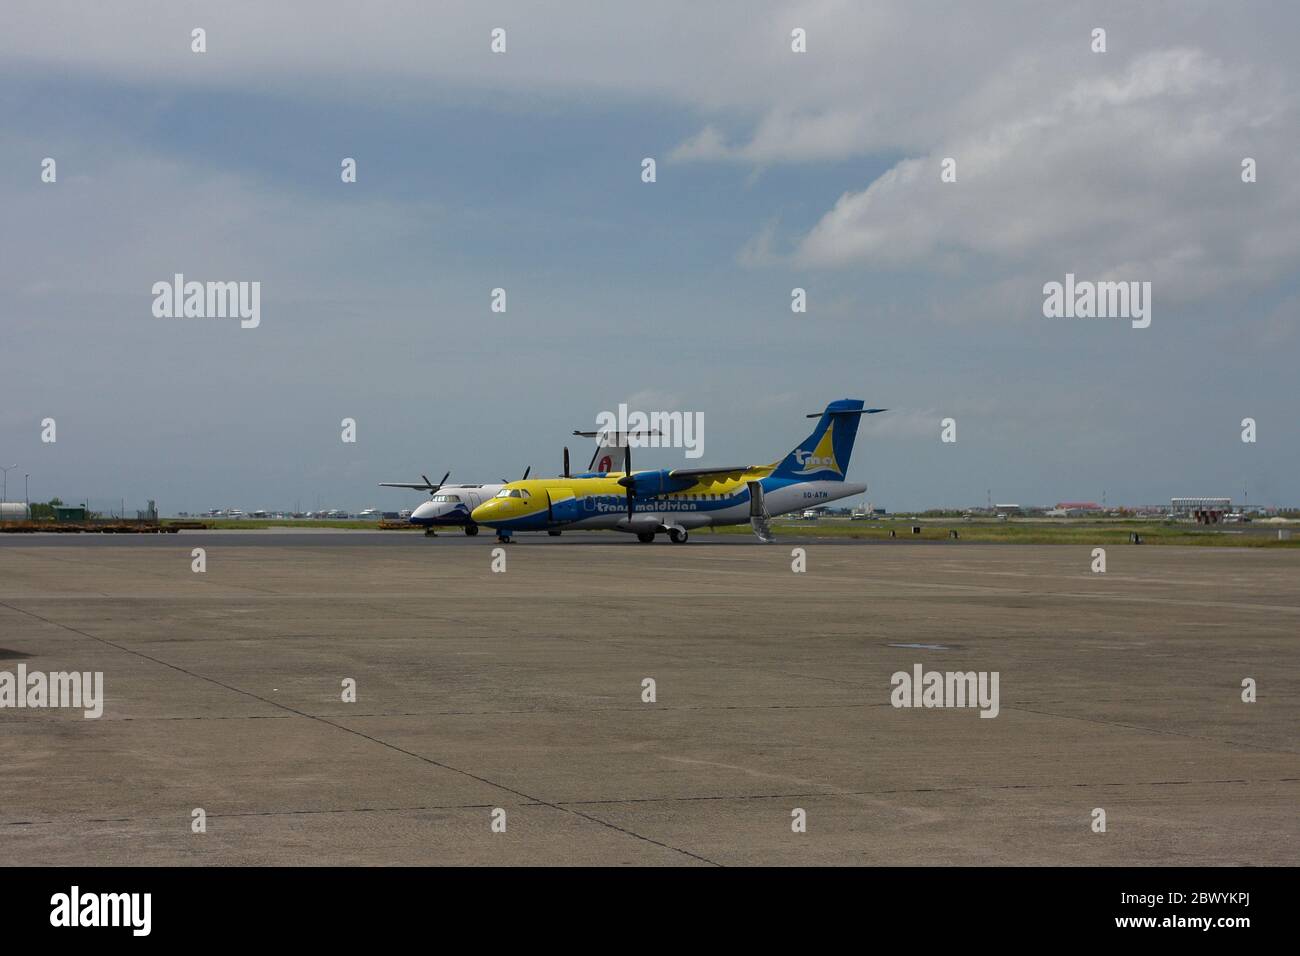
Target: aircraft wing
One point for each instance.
(428, 485)
(707, 472)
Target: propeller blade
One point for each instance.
(627, 475)
(526, 471)
(566, 461)
(433, 489)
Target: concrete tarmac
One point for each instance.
(523, 691)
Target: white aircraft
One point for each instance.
(450, 506)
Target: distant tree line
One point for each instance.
(45, 509)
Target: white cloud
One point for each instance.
(1130, 175)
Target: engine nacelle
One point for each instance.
(656, 482)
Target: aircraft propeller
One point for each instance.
(627, 478)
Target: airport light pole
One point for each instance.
(4, 488)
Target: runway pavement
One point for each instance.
(523, 691)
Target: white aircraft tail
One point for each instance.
(609, 448)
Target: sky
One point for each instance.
(522, 170)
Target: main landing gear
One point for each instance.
(471, 529)
(675, 535)
(553, 532)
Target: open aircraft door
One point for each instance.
(758, 517)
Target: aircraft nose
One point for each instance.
(424, 513)
(483, 513)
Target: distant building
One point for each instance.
(1204, 510)
(1074, 509)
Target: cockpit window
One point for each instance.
(446, 497)
(511, 493)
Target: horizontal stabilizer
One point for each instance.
(619, 437)
(847, 411)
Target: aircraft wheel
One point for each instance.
(645, 537)
(471, 529)
(677, 535)
(503, 538)
(553, 532)
(430, 533)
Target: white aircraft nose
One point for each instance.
(425, 512)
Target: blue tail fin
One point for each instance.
(824, 455)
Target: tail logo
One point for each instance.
(822, 458)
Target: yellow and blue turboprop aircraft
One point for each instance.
(675, 500)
